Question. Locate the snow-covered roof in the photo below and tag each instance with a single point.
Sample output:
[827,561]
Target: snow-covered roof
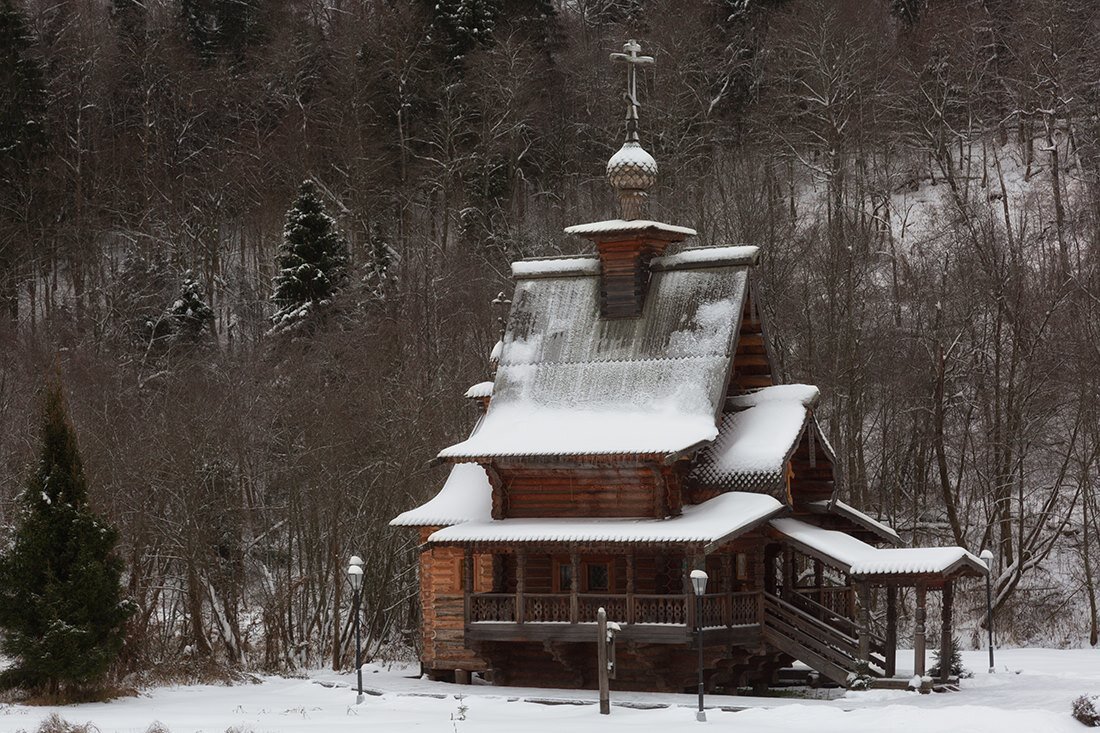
[708,257]
[572,383]
[714,521]
[755,441]
[556,267]
[480,390]
[856,516]
[623,225]
[861,559]
[466,496]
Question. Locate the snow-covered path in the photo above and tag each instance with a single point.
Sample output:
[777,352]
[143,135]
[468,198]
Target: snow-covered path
[1034,701]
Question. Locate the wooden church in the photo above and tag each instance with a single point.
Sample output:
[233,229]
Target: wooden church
[634,431]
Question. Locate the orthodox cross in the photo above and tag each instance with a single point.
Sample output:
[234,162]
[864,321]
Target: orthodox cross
[631,58]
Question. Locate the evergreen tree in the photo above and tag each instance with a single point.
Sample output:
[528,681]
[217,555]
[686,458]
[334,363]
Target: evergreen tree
[190,318]
[22,93]
[313,261]
[61,610]
[463,25]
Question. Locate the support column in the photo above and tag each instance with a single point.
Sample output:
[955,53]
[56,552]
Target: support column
[467,580]
[891,630]
[945,630]
[864,622]
[788,572]
[574,602]
[819,581]
[630,587]
[918,630]
[727,583]
[521,583]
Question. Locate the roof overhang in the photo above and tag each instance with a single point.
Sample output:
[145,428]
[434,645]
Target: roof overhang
[709,525]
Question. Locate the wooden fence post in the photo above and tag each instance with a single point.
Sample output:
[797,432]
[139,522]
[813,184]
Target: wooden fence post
[601,660]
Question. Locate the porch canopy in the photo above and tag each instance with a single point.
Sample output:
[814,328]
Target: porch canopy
[867,562]
[923,568]
[709,524]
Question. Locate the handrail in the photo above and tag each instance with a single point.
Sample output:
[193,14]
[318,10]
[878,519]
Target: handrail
[818,636]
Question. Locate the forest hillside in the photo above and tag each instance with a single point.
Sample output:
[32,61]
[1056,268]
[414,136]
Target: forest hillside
[923,177]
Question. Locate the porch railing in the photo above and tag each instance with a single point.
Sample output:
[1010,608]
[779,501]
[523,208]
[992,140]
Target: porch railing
[716,610]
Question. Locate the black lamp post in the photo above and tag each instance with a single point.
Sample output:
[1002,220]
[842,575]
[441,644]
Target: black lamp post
[987,558]
[699,584]
[355,577]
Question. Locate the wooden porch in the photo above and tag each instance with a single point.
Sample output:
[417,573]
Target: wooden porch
[653,618]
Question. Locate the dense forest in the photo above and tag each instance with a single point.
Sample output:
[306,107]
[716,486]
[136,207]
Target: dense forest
[923,177]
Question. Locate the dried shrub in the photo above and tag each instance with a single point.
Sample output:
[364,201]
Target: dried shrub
[56,724]
[1085,712]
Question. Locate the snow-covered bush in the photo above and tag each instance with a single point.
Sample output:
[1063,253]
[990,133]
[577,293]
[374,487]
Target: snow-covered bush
[955,666]
[1085,711]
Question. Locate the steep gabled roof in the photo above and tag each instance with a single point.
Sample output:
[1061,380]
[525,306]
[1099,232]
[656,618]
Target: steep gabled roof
[570,383]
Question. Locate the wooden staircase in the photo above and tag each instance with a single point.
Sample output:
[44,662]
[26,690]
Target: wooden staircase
[819,638]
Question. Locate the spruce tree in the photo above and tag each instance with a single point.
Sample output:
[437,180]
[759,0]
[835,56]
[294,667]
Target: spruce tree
[62,614]
[313,261]
[190,317]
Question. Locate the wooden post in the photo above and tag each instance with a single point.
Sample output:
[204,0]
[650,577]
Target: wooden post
[601,660]
[945,630]
[727,583]
[865,622]
[788,572]
[521,583]
[630,587]
[467,580]
[891,630]
[574,602]
[819,580]
[918,630]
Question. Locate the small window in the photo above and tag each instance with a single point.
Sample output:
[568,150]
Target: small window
[599,577]
[565,577]
[741,566]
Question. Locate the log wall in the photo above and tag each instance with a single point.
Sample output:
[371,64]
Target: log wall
[587,490]
[442,601]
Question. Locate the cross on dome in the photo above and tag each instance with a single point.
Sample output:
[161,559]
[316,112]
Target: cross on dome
[632,171]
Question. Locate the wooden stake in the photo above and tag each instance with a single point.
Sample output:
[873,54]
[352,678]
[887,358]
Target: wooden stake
[601,660]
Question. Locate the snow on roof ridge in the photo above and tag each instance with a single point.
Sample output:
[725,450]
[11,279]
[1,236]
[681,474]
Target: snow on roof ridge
[623,225]
[556,266]
[718,519]
[480,390]
[708,256]
[466,496]
[807,395]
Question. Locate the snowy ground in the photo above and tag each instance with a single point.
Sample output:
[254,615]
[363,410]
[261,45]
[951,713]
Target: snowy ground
[1030,693]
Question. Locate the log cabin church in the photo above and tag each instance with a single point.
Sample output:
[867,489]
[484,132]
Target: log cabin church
[634,431]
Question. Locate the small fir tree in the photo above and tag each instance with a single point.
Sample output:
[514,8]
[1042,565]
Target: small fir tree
[190,316]
[62,614]
[313,261]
